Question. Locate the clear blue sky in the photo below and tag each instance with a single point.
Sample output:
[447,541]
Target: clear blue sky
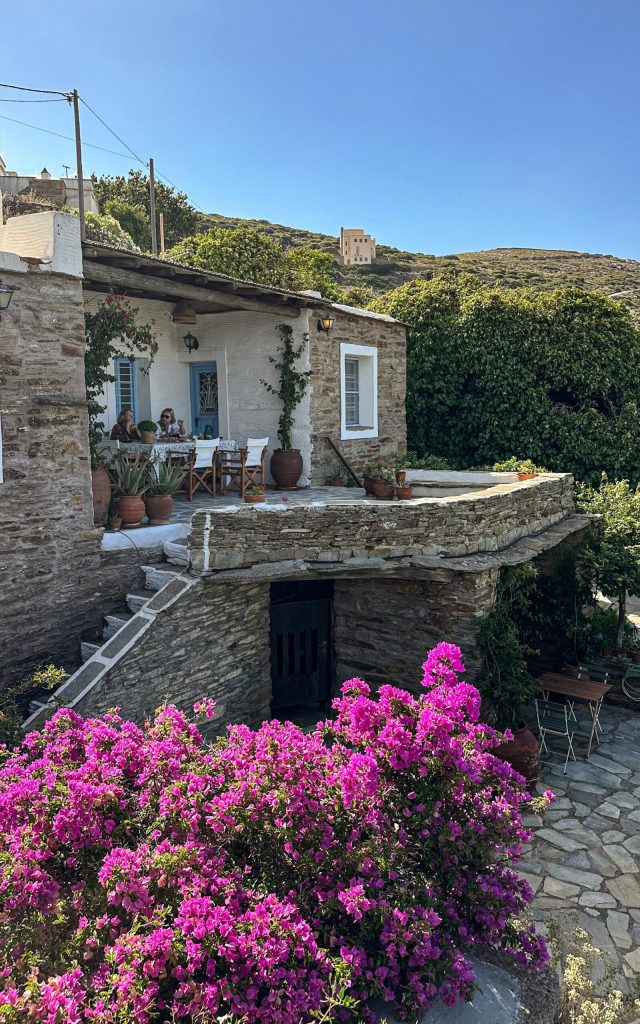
[438,126]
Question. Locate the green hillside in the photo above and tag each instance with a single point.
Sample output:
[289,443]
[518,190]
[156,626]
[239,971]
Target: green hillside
[509,268]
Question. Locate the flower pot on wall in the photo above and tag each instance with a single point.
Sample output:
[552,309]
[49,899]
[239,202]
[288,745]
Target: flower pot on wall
[158,508]
[254,499]
[404,492]
[101,487]
[148,436]
[522,753]
[526,476]
[131,511]
[286,467]
[383,490]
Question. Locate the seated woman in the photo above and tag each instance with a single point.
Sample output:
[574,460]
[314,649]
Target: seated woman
[125,430]
[167,425]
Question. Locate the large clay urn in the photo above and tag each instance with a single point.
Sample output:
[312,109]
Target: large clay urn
[286,467]
[101,487]
[522,753]
[131,509]
[159,508]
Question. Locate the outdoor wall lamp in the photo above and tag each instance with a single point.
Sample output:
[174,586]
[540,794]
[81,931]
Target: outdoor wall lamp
[192,344]
[325,323]
[6,293]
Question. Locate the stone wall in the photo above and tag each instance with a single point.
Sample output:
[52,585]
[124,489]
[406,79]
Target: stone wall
[384,628]
[49,548]
[241,536]
[390,340]
[214,640]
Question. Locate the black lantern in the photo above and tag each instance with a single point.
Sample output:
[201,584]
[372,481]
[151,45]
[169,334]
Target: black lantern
[192,344]
[6,292]
[325,323]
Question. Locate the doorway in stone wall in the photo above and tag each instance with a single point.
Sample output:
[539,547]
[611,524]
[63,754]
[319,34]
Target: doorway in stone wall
[302,658]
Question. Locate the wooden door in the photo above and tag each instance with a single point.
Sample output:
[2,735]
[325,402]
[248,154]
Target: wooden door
[204,398]
[301,647]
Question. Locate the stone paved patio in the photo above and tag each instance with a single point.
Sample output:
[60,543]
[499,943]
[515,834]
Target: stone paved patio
[584,861]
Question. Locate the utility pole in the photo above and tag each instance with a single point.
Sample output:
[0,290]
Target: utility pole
[152,208]
[161,231]
[76,117]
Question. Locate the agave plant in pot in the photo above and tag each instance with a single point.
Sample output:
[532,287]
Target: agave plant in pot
[164,480]
[131,482]
[286,462]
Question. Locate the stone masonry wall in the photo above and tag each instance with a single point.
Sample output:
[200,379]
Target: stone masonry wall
[49,548]
[230,538]
[390,340]
[384,628]
[214,641]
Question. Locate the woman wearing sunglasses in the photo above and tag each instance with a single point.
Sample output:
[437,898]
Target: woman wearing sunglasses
[167,425]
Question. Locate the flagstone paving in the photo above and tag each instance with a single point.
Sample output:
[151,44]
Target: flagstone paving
[584,861]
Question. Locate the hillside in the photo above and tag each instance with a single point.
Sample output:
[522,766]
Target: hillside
[509,268]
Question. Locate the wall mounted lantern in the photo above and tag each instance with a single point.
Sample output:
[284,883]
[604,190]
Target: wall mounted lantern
[325,323]
[192,344]
[6,293]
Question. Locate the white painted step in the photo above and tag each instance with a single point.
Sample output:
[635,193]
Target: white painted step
[112,623]
[87,650]
[137,600]
[157,576]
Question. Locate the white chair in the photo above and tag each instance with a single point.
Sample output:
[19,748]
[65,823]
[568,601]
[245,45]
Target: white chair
[553,720]
[244,467]
[202,468]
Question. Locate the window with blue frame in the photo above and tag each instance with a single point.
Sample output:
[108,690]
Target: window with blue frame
[125,375]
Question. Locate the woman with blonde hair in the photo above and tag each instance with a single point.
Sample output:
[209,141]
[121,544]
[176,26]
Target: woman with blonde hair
[167,425]
[125,430]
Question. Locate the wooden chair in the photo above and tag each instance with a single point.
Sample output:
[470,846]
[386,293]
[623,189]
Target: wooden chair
[202,468]
[244,467]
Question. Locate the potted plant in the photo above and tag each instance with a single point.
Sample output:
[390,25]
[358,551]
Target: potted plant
[524,468]
[404,491]
[401,465]
[369,475]
[164,481]
[286,461]
[148,431]
[384,485]
[131,482]
[335,481]
[254,494]
[100,486]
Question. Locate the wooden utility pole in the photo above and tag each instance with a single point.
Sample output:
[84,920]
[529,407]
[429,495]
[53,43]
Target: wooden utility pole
[76,118]
[152,208]
[161,233]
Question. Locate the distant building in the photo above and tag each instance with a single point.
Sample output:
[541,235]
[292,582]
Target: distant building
[356,247]
[57,192]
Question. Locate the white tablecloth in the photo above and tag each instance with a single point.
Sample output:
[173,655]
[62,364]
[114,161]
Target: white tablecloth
[162,448]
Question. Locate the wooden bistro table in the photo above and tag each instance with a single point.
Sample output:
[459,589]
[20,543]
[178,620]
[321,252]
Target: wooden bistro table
[588,691]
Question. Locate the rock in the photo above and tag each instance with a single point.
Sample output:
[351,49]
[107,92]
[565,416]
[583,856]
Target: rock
[613,836]
[587,879]
[563,890]
[622,859]
[632,844]
[602,900]
[608,809]
[633,960]
[560,840]
[625,889]
[618,925]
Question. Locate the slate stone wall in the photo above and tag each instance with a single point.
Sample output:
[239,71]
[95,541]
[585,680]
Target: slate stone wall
[390,340]
[49,548]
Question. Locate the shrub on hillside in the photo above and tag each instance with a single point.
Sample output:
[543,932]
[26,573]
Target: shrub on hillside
[144,874]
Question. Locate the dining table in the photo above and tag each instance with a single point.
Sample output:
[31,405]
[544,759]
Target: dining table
[577,688]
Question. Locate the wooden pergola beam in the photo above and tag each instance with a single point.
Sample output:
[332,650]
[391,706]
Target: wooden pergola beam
[174,289]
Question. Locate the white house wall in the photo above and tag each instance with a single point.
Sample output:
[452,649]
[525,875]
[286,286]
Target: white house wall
[240,343]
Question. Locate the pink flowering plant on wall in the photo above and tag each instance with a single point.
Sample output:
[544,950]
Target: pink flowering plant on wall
[147,876]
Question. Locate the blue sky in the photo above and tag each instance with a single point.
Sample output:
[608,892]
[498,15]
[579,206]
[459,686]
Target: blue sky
[440,127]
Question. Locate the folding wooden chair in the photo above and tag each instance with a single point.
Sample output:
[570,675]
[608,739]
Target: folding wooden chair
[202,468]
[243,467]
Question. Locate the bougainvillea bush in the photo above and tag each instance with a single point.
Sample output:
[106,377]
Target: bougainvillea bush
[147,876]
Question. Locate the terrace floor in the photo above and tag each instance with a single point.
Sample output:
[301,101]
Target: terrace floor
[584,861]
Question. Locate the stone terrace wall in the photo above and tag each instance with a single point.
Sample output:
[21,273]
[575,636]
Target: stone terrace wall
[231,538]
[49,548]
[390,340]
[383,628]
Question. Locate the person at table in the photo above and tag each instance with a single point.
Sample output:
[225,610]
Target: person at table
[125,430]
[167,425]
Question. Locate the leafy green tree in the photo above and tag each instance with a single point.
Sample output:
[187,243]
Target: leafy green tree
[102,228]
[614,556]
[239,252]
[309,269]
[180,218]
[358,295]
[132,219]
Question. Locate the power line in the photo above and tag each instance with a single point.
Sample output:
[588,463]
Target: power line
[121,141]
[169,182]
[25,88]
[69,138]
[4,99]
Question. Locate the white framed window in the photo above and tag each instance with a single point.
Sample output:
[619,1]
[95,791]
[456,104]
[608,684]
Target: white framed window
[358,391]
[125,386]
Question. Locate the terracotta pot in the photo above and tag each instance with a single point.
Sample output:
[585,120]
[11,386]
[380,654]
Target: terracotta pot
[115,522]
[404,492]
[367,483]
[526,476]
[131,510]
[401,476]
[158,508]
[286,467]
[522,753]
[148,436]
[254,499]
[336,483]
[101,487]
[382,490]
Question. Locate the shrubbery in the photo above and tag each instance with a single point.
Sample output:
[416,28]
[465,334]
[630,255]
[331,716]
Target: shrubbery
[144,874]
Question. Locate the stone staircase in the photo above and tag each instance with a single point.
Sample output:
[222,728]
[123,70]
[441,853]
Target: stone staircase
[164,583]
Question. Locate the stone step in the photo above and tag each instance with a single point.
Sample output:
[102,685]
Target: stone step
[87,650]
[114,622]
[156,576]
[137,599]
[176,551]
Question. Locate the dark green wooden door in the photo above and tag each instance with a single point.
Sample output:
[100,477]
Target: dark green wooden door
[301,647]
